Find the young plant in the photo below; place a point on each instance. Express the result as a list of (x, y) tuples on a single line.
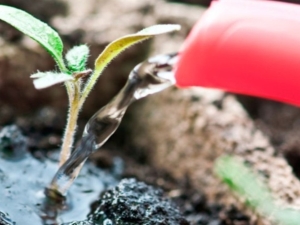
[(72, 67)]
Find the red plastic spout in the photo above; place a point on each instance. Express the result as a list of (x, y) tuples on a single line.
[(245, 46)]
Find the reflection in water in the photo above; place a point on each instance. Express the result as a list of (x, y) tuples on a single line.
[(146, 78)]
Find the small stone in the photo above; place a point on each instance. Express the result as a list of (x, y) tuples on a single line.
[(5, 220), (13, 145)]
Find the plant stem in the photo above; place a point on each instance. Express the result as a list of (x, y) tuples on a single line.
[(70, 91), (71, 124), (73, 91), (61, 65), (69, 85), (90, 84)]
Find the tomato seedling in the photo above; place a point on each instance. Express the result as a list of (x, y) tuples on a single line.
[(72, 67)]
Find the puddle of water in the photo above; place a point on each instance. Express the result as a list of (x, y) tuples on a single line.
[(23, 180), (22, 192)]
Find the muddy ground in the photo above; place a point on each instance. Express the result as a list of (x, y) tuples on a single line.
[(41, 114)]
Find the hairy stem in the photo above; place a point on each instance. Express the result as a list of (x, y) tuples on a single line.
[(73, 91), (70, 91), (69, 85), (71, 124), (90, 84)]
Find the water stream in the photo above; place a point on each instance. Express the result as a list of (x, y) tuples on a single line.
[(148, 77)]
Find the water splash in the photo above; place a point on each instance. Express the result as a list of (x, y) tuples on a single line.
[(146, 78)]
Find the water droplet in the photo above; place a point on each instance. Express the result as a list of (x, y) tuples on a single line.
[(107, 222)]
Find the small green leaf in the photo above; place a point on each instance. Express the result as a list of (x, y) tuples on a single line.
[(119, 45), (35, 29), (47, 79), (77, 58)]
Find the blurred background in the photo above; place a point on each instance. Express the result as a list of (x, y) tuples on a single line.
[(96, 23), (41, 113)]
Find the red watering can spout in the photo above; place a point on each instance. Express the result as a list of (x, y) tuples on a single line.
[(246, 47)]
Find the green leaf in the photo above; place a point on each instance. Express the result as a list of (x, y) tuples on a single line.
[(77, 58), (35, 29), (242, 180), (47, 79), (119, 45)]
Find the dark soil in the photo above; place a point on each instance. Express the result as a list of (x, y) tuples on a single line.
[(38, 131), (133, 202)]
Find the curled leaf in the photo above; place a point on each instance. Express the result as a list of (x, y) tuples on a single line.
[(77, 58), (158, 29), (47, 79), (35, 29), (119, 45)]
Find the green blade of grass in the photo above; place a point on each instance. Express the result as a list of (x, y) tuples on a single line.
[(35, 29), (243, 181)]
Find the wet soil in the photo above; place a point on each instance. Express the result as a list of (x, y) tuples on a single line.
[(31, 175), (24, 179)]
